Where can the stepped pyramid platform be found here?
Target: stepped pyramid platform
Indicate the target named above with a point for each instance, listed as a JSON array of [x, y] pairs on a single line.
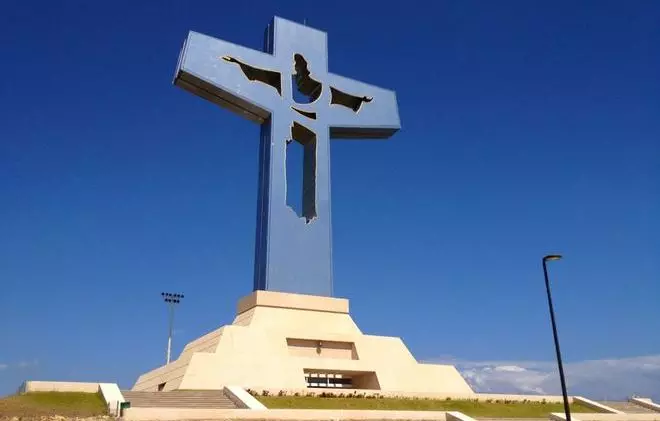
[[282, 341]]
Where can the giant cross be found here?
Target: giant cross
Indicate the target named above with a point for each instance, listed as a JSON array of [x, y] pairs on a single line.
[[293, 251]]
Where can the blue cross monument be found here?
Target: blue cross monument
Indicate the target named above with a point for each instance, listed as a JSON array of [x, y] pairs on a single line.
[[288, 90]]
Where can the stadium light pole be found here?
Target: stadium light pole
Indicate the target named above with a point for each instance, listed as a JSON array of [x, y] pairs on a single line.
[[562, 379], [171, 300]]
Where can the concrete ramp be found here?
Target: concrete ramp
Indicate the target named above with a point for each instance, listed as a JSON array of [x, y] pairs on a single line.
[[628, 407]]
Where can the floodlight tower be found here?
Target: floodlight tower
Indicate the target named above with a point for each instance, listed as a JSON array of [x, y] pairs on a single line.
[[171, 300]]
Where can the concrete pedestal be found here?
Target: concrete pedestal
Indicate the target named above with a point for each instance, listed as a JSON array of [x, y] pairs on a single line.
[[282, 341]]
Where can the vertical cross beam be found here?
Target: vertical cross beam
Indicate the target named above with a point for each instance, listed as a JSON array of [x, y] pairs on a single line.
[[293, 253]]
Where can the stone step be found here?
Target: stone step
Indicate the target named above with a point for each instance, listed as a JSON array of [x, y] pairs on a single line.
[[174, 403], [511, 419], [168, 396], [628, 407], [177, 393], [174, 399], [179, 399], [157, 404]]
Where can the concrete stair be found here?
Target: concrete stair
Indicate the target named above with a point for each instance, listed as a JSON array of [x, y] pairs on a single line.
[[628, 407], [510, 419], [179, 399]]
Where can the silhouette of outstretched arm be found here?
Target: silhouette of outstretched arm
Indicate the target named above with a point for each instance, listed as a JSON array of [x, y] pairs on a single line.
[[268, 77], [347, 100]]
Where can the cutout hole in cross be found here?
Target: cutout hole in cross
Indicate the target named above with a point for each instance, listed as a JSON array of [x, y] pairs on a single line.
[[307, 114], [268, 77], [301, 172], [353, 102], [304, 88]]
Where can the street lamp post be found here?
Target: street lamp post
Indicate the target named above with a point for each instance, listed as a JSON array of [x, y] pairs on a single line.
[[562, 379], [170, 300]]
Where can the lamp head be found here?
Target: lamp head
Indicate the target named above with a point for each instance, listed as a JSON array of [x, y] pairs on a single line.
[[551, 257]]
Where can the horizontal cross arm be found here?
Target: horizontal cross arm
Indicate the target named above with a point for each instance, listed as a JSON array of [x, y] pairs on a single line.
[[238, 78], [360, 110]]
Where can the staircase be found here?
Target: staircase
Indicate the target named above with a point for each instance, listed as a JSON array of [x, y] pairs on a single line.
[[215, 399], [628, 407]]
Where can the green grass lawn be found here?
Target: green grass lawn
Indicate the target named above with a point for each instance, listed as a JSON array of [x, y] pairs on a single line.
[[471, 408], [73, 404]]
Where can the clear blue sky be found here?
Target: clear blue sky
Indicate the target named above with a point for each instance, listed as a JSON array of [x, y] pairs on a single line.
[[528, 128]]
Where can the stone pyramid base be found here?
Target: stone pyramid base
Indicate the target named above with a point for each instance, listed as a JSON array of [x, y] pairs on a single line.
[[281, 341]]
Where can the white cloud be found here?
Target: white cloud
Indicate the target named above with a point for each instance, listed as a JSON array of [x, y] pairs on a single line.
[[27, 364], [512, 368], [20, 365], [612, 379]]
